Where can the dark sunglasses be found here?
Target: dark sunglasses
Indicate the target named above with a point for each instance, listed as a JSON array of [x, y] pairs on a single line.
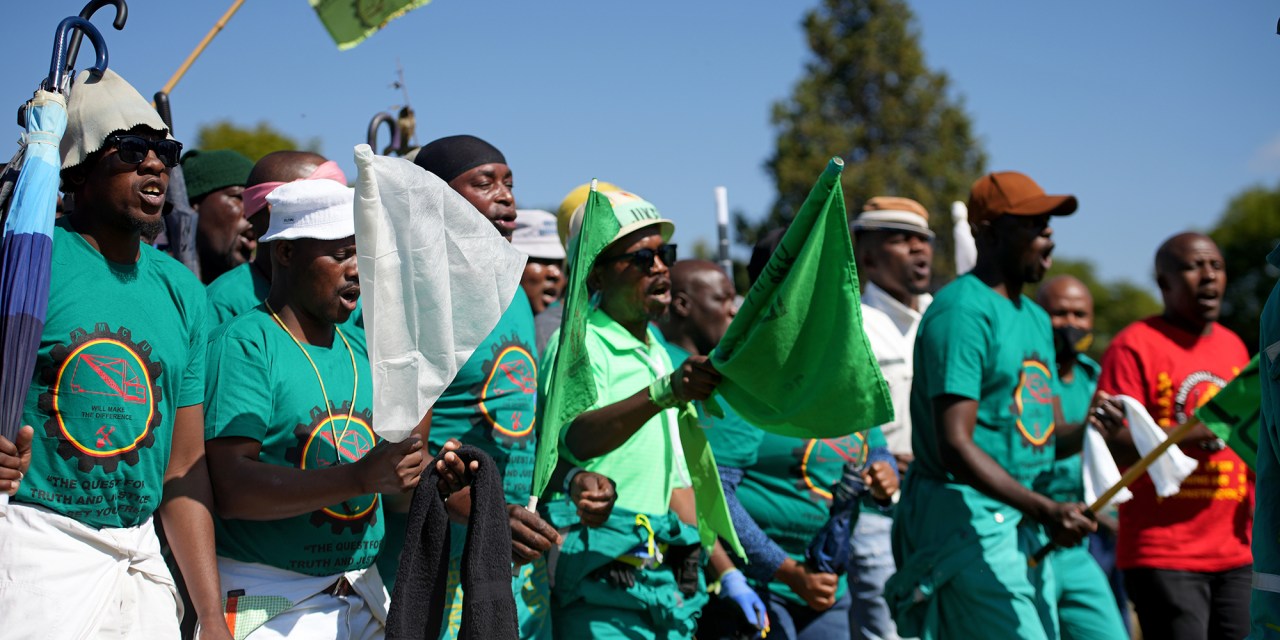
[[644, 258], [133, 149]]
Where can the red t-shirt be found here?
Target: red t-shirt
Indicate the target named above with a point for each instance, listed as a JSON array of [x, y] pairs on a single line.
[[1206, 526]]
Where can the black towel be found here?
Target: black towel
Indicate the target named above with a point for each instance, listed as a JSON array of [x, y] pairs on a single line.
[[417, 602]]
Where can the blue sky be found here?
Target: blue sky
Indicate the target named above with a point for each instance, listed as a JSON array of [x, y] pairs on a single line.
[[1152, 113]]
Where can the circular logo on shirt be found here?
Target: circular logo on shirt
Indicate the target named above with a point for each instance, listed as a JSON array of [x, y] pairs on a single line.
[[1195, 390], [102, 400], [1033, 401], [822, 462], [508, 392], [327, 442]]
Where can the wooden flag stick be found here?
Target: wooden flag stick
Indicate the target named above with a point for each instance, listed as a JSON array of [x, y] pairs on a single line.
[[1134, 471], [208, 37]]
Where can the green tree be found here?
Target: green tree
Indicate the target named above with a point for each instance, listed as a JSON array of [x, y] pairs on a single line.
[[868, 97], [1116, 303], [1247, 231], [253, 142]]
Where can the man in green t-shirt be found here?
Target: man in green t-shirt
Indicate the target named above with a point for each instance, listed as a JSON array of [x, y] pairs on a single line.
[[1264, 602], [1087, 607], [985, 418], [215, 186], [116, 398], [296, 466], [245, 286], [492, 404]]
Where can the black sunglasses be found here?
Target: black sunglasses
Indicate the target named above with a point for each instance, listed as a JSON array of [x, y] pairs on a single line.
[[644, 258], [133, 149]]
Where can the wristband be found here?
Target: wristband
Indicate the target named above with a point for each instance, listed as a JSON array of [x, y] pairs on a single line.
[[568, 479], [662, 393]]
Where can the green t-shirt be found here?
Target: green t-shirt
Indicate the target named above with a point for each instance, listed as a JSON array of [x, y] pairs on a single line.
[[1064, 482], [123, 347], [1266, 523], [244, 288], [493, 401], [262, 386], [648, 466], [975, 343]]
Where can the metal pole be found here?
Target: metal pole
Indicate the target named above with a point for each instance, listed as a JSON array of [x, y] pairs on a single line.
[[722, 222]]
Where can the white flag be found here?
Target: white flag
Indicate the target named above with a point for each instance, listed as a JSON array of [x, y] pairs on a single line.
[[435, 277], [1100, 471], [1173, 466], [966, 246]]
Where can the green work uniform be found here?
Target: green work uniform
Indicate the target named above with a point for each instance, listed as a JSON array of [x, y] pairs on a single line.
[[244, 288], [123, 347], [646, 469], [1264, 604], [1086, 606], [491, 404], [961, 555], [262, 386]]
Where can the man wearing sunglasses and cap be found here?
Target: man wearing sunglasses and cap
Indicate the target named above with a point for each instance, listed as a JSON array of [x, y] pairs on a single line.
[[296, 466], [116, 399], [639, 575], [985, 420]]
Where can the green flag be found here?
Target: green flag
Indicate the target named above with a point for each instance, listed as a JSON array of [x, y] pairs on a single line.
[[796, 361], [570, 389], [351, 21], [1234, 413]]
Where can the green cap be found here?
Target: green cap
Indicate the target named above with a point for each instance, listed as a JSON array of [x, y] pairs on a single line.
[[208, 171]]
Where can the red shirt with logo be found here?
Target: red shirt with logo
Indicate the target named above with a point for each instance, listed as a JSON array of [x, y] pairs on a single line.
[[1206, 526]]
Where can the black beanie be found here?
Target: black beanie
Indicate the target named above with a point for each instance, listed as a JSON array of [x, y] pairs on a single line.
[[453, 156]]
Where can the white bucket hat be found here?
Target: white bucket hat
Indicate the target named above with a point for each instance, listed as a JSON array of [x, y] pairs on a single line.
[[316, 209]]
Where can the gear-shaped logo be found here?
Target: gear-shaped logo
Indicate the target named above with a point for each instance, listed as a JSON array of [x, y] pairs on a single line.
[[103, 398], [328, 442], [1033, 401], [509, 392], [814, 457]]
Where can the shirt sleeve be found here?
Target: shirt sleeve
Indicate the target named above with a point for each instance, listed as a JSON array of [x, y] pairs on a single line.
[[192, 390], [764, 556], [238, 399], [955, 346], [1122, 371]]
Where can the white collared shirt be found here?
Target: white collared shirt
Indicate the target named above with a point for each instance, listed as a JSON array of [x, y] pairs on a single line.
[[891, 328]]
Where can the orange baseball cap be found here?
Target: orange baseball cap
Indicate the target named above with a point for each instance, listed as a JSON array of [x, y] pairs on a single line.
[[1012, 193]]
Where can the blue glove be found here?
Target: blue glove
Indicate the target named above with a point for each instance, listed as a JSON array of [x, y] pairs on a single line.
[[733, 585]]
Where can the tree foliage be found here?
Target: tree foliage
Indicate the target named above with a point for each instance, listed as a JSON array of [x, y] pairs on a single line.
[[868, 97], [1247, 231], [1116, 303], [254, 142]]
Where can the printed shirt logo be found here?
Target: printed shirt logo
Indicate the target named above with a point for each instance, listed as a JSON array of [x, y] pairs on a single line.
[[103, 398], [508, 392], [1033, 401], [816, 462], [328, 442], [1195, 390]]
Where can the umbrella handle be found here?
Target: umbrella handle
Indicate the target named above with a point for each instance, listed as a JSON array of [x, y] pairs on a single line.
[[394, 126], [162, 107], [122, 16], [59, 65]]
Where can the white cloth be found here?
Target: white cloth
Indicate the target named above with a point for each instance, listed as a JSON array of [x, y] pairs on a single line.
[[435, 279], [1173, 466], [1100, 471], [278, 603], [891, 329], [966, 247], [62, 579]]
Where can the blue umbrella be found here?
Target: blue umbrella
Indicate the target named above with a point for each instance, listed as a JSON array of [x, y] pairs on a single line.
[[27, 245]]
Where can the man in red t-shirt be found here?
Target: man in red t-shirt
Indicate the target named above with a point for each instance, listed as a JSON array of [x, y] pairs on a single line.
[[1186, 558]]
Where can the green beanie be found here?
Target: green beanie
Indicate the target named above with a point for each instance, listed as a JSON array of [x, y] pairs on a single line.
[[208, 171]]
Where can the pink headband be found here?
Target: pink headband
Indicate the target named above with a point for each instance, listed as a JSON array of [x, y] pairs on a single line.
[[255, 197]]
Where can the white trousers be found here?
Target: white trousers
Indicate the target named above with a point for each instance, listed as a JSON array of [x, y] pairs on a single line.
[[263, 603], [62, 579]]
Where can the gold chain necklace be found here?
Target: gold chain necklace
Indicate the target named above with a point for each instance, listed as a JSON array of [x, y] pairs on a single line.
[[355, 374]]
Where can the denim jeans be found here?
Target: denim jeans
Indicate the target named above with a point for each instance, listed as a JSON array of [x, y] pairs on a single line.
[[870, 566], [789, 621]]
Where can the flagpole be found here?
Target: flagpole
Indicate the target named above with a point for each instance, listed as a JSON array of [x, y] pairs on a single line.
[[208, 37], [1127, 479], [722, 226]]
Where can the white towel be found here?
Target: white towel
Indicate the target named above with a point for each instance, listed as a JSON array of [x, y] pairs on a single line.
[[435, 277], [1167, 472], [966, 246], [1100, 471]]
